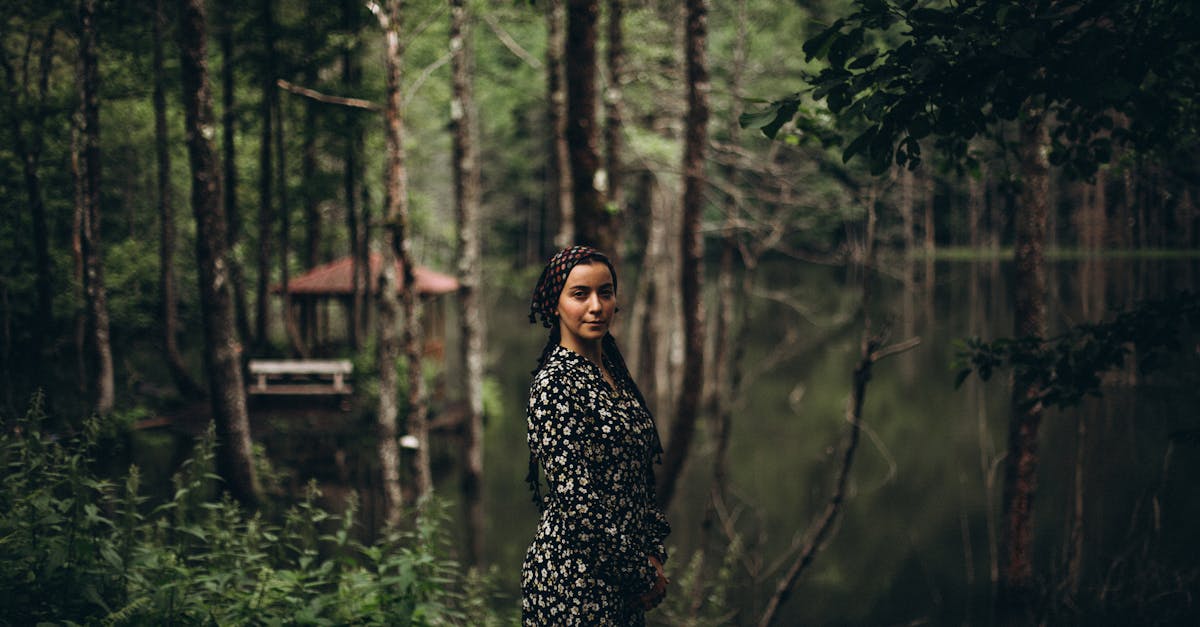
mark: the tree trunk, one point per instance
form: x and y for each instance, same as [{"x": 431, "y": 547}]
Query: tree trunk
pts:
[
  {"x": 97, "y": 299},
  {"x": 308, "y": 175},
  {"x": 351, "y": 175},
  {"x": 593, "y": 222},
  {"x": 266, "y": 215},
  {"x": 221, "y": 347},
  {"x": 233, "y": 222},
  {"x": 77, "y": 222},
  {"x": 396, "y": 250},
  {"x": 166, "y": 214},
  {"x": 560, "y": 201},
  {"x": 614, "y": 120},
  {"x": 285, "y": 236},
  {"x": 691, "y": 251},
  {"x": 466, "y": 209},
  {"x": 1015, "y": 597}
]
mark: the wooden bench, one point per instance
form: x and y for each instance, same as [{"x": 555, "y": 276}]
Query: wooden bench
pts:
[{"x": 300, "y": 376}]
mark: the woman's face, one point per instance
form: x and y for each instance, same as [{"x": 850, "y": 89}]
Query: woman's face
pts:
[{"x": 587, "y": 304}]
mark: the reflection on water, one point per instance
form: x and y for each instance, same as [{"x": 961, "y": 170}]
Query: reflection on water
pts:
[{"x": 914, "y": 541}]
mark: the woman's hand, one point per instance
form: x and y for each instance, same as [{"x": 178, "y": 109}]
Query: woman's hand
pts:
[{"x": 655, "y": 595}]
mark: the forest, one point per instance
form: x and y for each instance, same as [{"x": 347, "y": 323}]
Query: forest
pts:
[{"x": 910, "y": 286}]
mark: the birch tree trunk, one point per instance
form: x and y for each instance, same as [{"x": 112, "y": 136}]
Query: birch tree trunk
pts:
[
  {"x": 466, "y": 209},
  {"x": 166, "y": 215},
  {"x": 691, "y": 250},
  {"x": 227, "y": 391},
  {"x": 97, "y": 299},
  {"x": 396, "y": 252}
]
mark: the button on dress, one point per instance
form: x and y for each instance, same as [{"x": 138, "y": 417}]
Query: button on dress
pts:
[{"x": 588, "y": 561}]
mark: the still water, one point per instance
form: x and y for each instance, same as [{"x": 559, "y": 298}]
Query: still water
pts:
[{"x": 913, "y": 545}]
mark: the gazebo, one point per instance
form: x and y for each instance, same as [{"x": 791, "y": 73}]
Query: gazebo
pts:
[{"x": 311, "y": 292}]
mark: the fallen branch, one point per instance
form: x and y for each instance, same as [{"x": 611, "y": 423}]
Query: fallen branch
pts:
[
  {"x": 819, "y": 531},
  {"x": 326, "y": 98}
]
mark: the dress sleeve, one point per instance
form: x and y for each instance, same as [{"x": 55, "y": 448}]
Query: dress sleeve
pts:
[
  {"x": 654, "y": 520},
  {"x": 558, "y": 433}
]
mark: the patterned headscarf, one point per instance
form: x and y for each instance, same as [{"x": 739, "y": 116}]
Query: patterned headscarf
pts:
[{"x": 544, "y": 303}]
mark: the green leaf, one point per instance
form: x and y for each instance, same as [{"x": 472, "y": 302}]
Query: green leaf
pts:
[
  {"x": 859, "y": 143},
  {"x": 818, "y": 47}
]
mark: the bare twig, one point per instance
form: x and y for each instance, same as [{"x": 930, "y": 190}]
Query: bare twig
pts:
[
  {"x": 511, "y": 43},
  {"x": 355, "y": 103}
]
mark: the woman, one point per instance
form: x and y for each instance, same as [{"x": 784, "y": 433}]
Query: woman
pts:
[{"x": 598, "y": 554}]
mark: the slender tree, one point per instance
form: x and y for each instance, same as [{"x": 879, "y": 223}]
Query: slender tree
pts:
[
  {"x": 559, "y": 195},
  {"x": 396, "y": 253},
  {"x": 166, "y": 215},
  {"x": 1015, "y": 598},
  {"x": 266, "y": 172},
  {"x": 691, "y": 250},
  {"x": 614, "y": 120},
  {"x": 227, "y": 392},
  {"x": 97, "y": 298},
  {"x": 225, "y": 37},
  {"x": 352, "y": 175},
  {"x": 466, "y": 210}
]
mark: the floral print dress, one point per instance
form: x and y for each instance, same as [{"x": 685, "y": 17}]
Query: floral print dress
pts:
[{"x": 589, "y": 560}]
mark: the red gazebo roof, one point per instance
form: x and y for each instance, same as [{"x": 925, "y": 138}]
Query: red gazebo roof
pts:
[{"x": 334, "y": 279}]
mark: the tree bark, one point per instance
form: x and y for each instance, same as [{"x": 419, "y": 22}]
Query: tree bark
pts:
[
  {"x": 559, "y": 195},
  {"x": 691, "y": 251},
  {"x": 466, "y": 209},
  {"x": 308, "y": 174},
  {"x": 77, "y": 222},
  {"x": 266, "y": 214},
  {"x": 593, "y": 222},
  {"x": 293, "y": 334},
  {"x": 351, "y": 175},
  {"x": 1015, "y": 595},
  {"x": 186, "y": 385},
  {"x": 614, "y": 113},
  {"x": 97, "y": 299},
  {"x": 233, "y": 222},
  {"x": 227, "y": 391},
  {"x": 397, "y": 249}
]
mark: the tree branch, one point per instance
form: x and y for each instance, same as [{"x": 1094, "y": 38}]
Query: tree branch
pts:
[
  {"x": 355, "y": 103},
  {"x": 511, "y": 43}
]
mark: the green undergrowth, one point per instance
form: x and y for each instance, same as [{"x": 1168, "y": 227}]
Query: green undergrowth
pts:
[{"x": 76, "y": 548}]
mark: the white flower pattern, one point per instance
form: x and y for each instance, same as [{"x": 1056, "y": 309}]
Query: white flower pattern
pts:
[{"x": 589, "y": 561}]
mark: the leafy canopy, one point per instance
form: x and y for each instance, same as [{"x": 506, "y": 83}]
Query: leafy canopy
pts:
[{"x": 1108, "y": 71}]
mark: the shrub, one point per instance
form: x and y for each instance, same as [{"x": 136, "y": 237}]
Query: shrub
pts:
[{"x": 78, "y": 549}]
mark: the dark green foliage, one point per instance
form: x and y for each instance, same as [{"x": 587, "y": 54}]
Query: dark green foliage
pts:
[
  {"x": 961, "y": 69},
  {"x": 80, "y": 549},
  {"x": 1069, "y": 367}
]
